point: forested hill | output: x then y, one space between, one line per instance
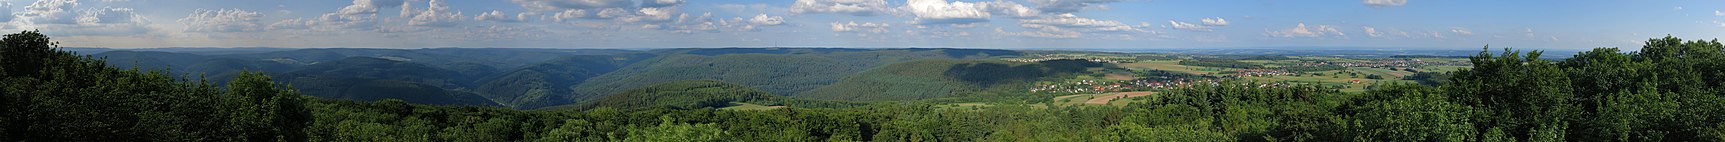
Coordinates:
926 79
1670 90
529 78
689 94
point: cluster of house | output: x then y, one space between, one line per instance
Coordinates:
1092 86
1385 63
1259 73
1040 58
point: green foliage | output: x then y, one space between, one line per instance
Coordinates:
691 94
1670 91
784 72
25 52
925 79
71 98
1428 78
670 131
549 83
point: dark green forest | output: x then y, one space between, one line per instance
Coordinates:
1669 90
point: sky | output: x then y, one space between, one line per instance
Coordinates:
1012 24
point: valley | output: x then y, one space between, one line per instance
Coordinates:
575 78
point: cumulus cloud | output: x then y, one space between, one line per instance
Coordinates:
1011 9
560 5
943 12
361 15
58 14
1303 31
49 12
1460 31
1072 22
1718 13
848 7
1218 21
1066 6
1187 26
569 14
223 20
868 27
332 21
109 15
1372 31
763 19
369 6
650 14
499 16
1385 3
436 14
703 23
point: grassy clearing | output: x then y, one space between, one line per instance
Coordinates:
1104 99
1172 66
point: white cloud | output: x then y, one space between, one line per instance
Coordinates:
560 5
1187 26
1385 3
1718 13
869 27
763 19
436 14
569 14
59 16
492 15
1303 31
942 12
650 15
49 12
1012 9
1066 6
849 7
109 15
369 6
335 21
1069 21
499 16
1460 31
1372 31
223 20
1218 21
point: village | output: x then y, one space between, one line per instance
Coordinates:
1383 63
1087 57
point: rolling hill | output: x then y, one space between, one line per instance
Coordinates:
941 78
778 71
548 83
687 94
371 79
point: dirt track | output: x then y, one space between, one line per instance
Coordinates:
1105 99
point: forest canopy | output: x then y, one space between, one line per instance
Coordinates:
1669 90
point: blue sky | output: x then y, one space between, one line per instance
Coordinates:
1042 24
